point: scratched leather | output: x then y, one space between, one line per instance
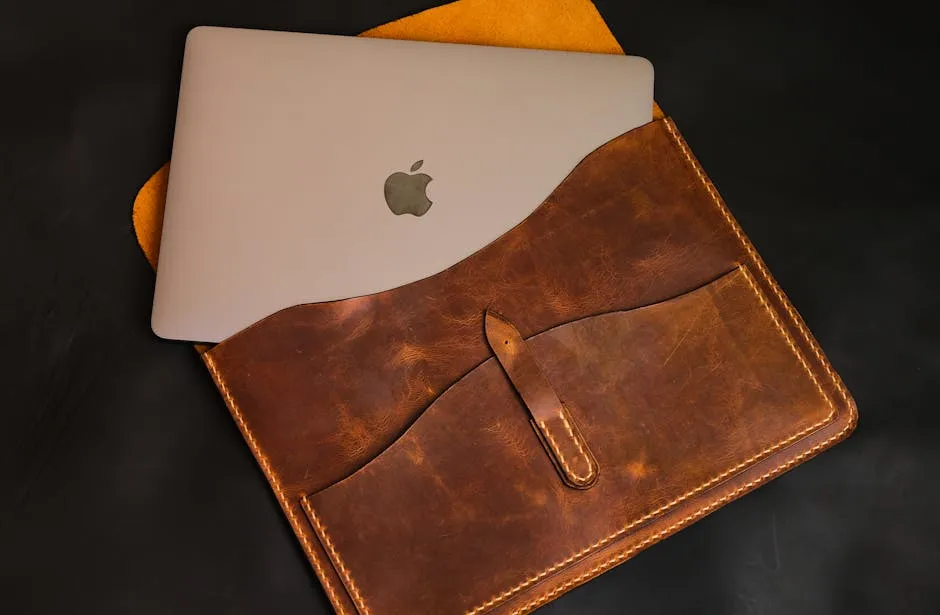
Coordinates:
326 387
321 390
667 396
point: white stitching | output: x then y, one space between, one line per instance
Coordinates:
790 342
347 577
272 478
577 440
762 269
578 478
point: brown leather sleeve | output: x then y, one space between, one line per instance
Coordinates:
402 450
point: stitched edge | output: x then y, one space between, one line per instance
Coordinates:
272 479
265 464
578 478
749 250
654 513
592 465
790 342
758 261
344 572
697 514
672 504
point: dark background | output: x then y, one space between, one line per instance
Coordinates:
126 487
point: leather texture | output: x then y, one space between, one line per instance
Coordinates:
663 374
554 425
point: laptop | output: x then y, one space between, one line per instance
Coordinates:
310 168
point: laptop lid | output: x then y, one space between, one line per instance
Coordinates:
309 168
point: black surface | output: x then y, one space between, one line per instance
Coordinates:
126 486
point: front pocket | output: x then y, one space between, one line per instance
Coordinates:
466 509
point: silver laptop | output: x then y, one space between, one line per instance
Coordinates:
311 168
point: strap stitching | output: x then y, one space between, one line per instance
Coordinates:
578 478
654 513
577 440
665 507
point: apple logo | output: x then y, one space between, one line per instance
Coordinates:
407 193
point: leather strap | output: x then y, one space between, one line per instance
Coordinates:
560 435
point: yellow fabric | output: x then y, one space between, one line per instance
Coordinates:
148 213
570 25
